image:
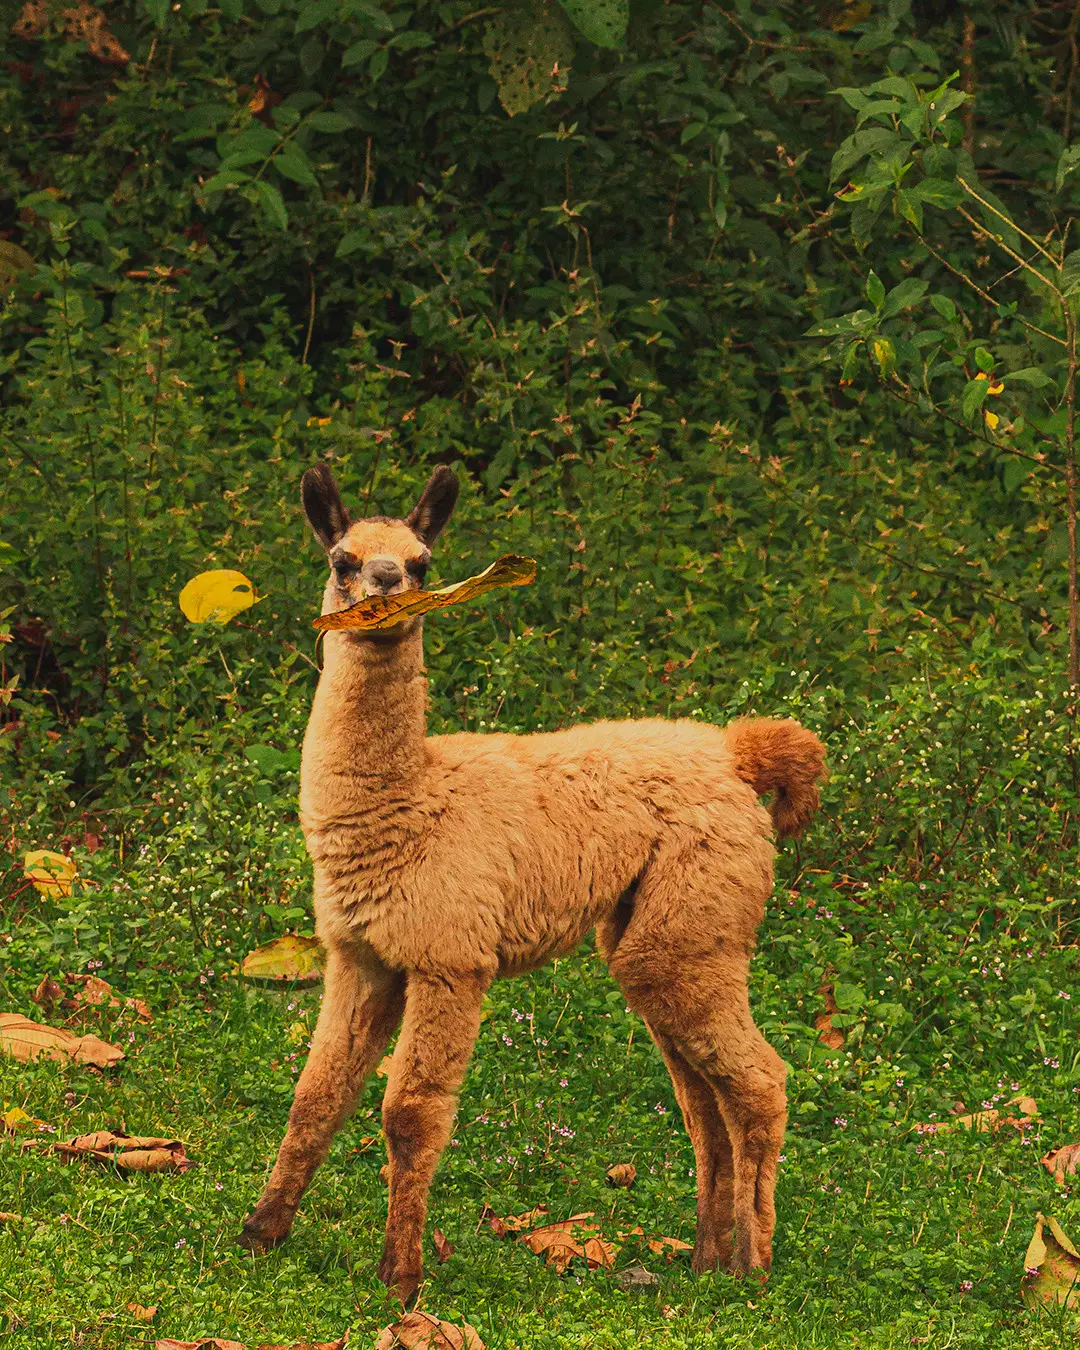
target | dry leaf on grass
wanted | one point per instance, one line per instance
(1062, 1163)
(669, 1247)
(14, 1118)
(7, 1217)
(134, 1153)
(1051, 1267)
(25, 1041)
(422, 1331)
(287, 960)
(987, 1122)
(384, 1066)
(829, 1035)
(51, 873)
(94, 992)
(142, 1314)
(444, 1248)
(513, 1223)
(622, 1174)
(216, 1343)
(47, 993)
(560, 1243)
(383, 611)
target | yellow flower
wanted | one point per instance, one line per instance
(992, 420)
(996, 385)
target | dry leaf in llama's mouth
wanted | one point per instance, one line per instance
(383, 611)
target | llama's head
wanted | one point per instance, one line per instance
(380, 555)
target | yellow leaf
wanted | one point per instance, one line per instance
(996, 386)
(289, 959)
(992, 419)
(51, 873)
(215, 597)
(383, 611)
(14, 1116)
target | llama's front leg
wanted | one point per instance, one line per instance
(442, 1017)
(361, 1009)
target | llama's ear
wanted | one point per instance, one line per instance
(323, 505)
(432, 511)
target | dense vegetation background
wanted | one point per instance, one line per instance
(576, 252)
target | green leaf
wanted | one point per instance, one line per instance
(895, 87)
(294, 164)
(984, 359)
(938, 192)
(332, 121)
(359, 51)
(872, 141)
(318, 11)
(1032, 375)
(944, 307)
(379, 62)
(849, 997)
(875, 291)
(909, 292)
(601, 21)
(1070, 273)
(832, 327)
(351, 242)
(269, 198)
(910, 207)
(1070, 160)
(256, 143)
(225, 179)
(1013, 474)
(158, 10)
(975, 392)
(884, 354)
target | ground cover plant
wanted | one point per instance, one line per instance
(708, 348)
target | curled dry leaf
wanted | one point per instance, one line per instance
(134, 1153)
(216, 596)
(987, 1122)
(25, 1041)
(1062, 1162)
(291, 959)
(513, 1223)
(829, 1035)
(383, 611)
(142, 1314)
(51, 873)
(443, 1246)
(216, 1343)
(423, 1331)
(669, 1247)
(47, 993)
(622, 1174)
(94, 992)
(560, 1243)
(1051, 1267)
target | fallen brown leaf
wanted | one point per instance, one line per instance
(443, 1246)
(47, 993)
(94, 992)
(513, 1223)
(7, 1217)
(422, 1331)
(25, 1041)
(987, 1122)
(134, 1153)
(1051, 1267)
(559, 1243)
(829, 1035)
(669, 1247)
(384, 1066)
(142, 1314)
(1062, 1162)
(622, 1174)
(216, 1343)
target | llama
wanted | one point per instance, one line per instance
(443, 862)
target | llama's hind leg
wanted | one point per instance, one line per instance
(361, 1009)
(442, 1018)
(713, 1246)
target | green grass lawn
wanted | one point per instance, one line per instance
(885, 1237)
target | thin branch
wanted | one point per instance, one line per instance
(988, 206)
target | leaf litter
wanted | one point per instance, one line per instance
(424, 1331)
(217, 1343)
(25, 1041)
(1051, 1267)
(132, 1153)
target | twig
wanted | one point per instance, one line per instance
(311, 317)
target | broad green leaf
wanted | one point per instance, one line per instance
(270, 760)
(228, 178)
(527, 48)
(944, 307)
(884, 354)
(831, 327)
(849, 997)
(1070, 273)
(158, 10)
(939, 192)
(216, 596)
(875, 290)
(294, 164)
(258, 141)
(332, 121)
(883, 108)
(351, 242)
(1013, 474)
(909, 292)
(975, 392)
(269, 198)
(601, 21)
(287, 960)
(872, 141)
(895, 87)
(314, 13)
(359, 51)
(1069, 160)
(984, 359)
(910, 207)
(1032, 375)
(13, 260)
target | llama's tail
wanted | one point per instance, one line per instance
(781, 757)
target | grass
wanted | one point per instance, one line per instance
(885, 1237)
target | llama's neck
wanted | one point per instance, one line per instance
(365, 736)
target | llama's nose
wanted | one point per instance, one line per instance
(382, 575)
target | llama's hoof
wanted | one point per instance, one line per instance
(256, 1240)
(402, 1284)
